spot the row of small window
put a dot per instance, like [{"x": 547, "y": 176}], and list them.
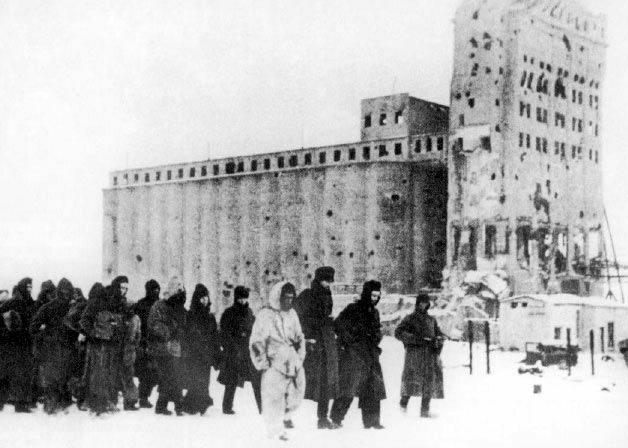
[
  {"x": 564, "y": 73},
  {"x": 559, "y": 119},
  {"x": 383, "y": 119},
  {"x": 429, "y": 144},
  {"x": 559, "y": 147},
  {"x": 560, "y": 91},
  {"x": 233, "y": 167},
  {"x": 487, "y": 70}
]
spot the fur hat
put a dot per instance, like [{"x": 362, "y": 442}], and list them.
[
  {"x": 240, "y": 292},
  {"x": 324, "y": 273}
]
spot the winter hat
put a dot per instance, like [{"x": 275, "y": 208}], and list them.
[
  {"x": 151, "y": 285},
  {"x": 97, "y": 292},
  {"x": 47, "y": 287},
  {"x": 199, "y": 291},
  {"x": 423, "y": 298},
  {"x": 240, "y": 292},
  {"x": 324, "y": 273},
  {"x": 368, "y": 288},
  {"x": 174, "y": 286},
  {"x": 65, "y": 290},
  {"x": 22, "y": 285}
]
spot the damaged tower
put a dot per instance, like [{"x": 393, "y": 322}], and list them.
[{"x": 525, "y": 180}]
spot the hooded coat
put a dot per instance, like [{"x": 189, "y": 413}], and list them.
[
  {"x": 46, "y": 293},
  {"x": 201, "y": 351},
  {"x": 103, "y": 323},
  {"x": 314, "y": 308},
  {"x": 422, "y": 369},
  {"x": 16, "y": 359},
  {"x": 54, "y": 344},
  {"x": 277, "y": 348},
  {"x": 236, "y": 324},
  {"x": 144, "y": 367},
  {"x": 359, "y": 333}
]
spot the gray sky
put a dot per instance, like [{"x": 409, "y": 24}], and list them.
[{"x": 87, "y": 87}]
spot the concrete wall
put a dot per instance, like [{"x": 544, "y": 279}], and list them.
[{"x": 383, "y": 220}]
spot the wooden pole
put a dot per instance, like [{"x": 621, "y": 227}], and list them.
[
  {"x": 470, "y": 347},
  {"x": 569, "y": 351},
  {"x": 592, "y": 347},
  {"x": 487, "y": 339}
]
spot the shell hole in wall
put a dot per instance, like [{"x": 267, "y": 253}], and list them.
[
  {"x": 377, "y": 237},
  {"x": 274, "y": 272},
  {"x": 266, "y": 272},
  {"x": 305, "y": 257},
  {"x": 330, "y": 213},
  {"x": 581, "y": 214},
  {"x": 309, "y": 276},
  {"x": 295, "y": 253},
  {"x": 493, "y": 176},
  {"x": 267, "y": 218},
  {"x": 371, "y": 253},
  {"x": 138, "y": 258},
  {"x": 350, "y": 254},
  {"x": 333, "y": 238},
  {"x": 248, "y": 263},
  {"x": 339, "y": 253},
  {"x": 395, "y": 197}
]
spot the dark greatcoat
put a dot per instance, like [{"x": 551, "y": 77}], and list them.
[
  {"x": 236, "y": 324},
  {"x": 422, "y": 369},
  {"x": 144, "y": 366},
  {"x": 359, "y": 333},
  {"x": 314, "y": 308},
  {"x": 166, "y": 330},
  {"x": 16, "y": 359},
  {"x": 201, "y": 351},
  {"x": 55, "y": 346},
  {"x": 103, "y": 323}
]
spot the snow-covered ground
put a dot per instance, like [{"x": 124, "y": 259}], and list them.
[{"x": 479, "y": 410}]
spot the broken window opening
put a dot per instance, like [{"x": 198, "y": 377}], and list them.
[
  {"x": 398, "y": 149},
  {"x": 367, "y": 121},
  {"x": 280, "y": 162},
  {"x": 417, "y": 146},
  {"x": 399, "y": 117},
  {"x": 528, "y": 110},
  {"x": 169, "y": 175},
  {"x": 530, "y": 80},
  {"x": 485, "y": 143},
  {"x": 428, "y": 144},
  {"x": 474, "y": 43},
  {"x": 192, "y": 172},
  {"x": 471, "y": 102},
  {"x": 337, "y": 155},
  {"x": 351, "y": 153},
  {"x": 490, "y": 241},
  {"x": 383, "y": 152},
  {"x": 180, "y": 173},
  {"x": 461, "y": 119},
  {"x": 230, "y": 167},
  {"x": 524, "y": 76},
  {"x": 528, "y": 141},
  {"x": 322, "y": 157},
  {"x": 523, "y": 239},
  {"x": 240, "y": 167},
  {"x": 439, "y": 144},
  {"x": 382, "y": 119},
  {"x": 203, "y": 172},
  {"x": 266, "y": 164},
  {"x": 147, "y": 177},
  {"x": 307, "y": 159},
  {"x": 253, "y": 165},
  {"x": 521, "y": 138},
  {"x": 293, "y": 161},
  {"x": 366, "y": 153}
]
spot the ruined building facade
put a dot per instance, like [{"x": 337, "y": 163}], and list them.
[
  {"x": 525, "y": 186},
  {"x": 508, "y": 178},
  {"x": 371, "y": 209}
]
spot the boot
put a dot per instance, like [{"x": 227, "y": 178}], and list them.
[
  {"x": 325, "y": 423},
  {"x": 145, "y": 404},
  {"x": 22, "y": 408},
  {"x": 130, "y": 406},
  {"x": 162, "y": 407},
  {"x": 288, "y": 424}
]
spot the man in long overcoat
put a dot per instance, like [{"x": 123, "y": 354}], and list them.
[
  {"x": 145, "y": 369},
  {"x": 166, "y": 329},
  {"x": 55, "y": 345},
  {"x": 16, "y": 359},
  {"x": 359, "y": 333},
  {"x": 314, "y": 307},
  {"x": 237, "y": 368},
  {"x": 422, "y": 370}
]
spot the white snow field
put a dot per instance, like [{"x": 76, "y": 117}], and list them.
[{"x": 479, "y": 410}]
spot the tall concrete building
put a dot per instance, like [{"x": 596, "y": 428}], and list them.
[
  {"x": 525, "y": 180},
  {"x": 375, "y": 208},
  {"x": 507, "y": 178}
]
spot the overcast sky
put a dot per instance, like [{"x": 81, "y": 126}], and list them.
[{"x": 87, "y": 87}]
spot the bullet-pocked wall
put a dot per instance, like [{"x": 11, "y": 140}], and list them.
[{"x": 384, "y": 220}]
